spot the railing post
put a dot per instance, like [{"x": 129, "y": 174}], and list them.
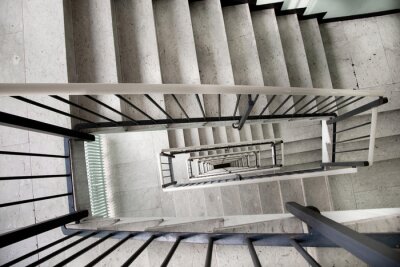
[
  {"x": 334, "y": 142},
  {"x": 273, "y": 151},
  {"x": 374, "y": 120},
  {"x": 282, "y": 153}
]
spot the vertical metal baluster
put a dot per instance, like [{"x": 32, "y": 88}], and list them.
[
  {"x": 310, "y": 260},
  {"x": 266, "y": 106},
  {"x": 209, "y": 252},
  {"x": 253, "y": 253},
  {"x": 84, "y": 250},
  {"x": 171, "y": 252},
  {"x": 108, "y": 251},
  {"x": 139, "y": 251},
  {"x": 201, "y": 106},
  {"x": 334, "y": 142}
]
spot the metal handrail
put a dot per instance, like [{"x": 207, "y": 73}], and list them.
[{"x": 376, "y": 249}]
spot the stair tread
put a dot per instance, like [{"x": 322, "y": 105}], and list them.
[
  {"x": 295, "y": 55},
  {"x": 178, "y": 60},
  {"x": 138, "y": 54},
  {"x": 95, "y": 58},
  {"x": 271, "y": 54}
]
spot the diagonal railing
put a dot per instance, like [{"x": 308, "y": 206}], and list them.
[
  {"x": 375, "y": 249},
  {"x": 277, "y": 104}
]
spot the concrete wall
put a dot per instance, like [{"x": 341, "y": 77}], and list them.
[
  {"x": 32, "y": 49},
  {"x": 365, "y": 53}
]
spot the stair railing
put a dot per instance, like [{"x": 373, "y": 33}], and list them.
[
  {"x": 375, "y": 249},
  {"x": 346, "y": 134},
  {"x": 239, "y": 162},
  {"x": 264, "y": 104},
  {"x": 166, "y": 170}
]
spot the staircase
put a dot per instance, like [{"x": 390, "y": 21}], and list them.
[{"x": 200, "y": 43}]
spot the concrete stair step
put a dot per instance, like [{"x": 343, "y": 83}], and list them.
[
  {"x": 231, "y": 200},
  {"x": 270, "y": 197},
  {"x": 316, "y": 56},
  {"x": 271, "y": 54},
  {"x": 213, "y": 199},
  {"x": 176, "y": 45},
  {"x": 176, "y": 138},
  {"x": 213, "y": 60},
  {"x": 250, "y": 199},
  {"x": 190, "y": 203},
  {"x": 192, "y": 138},
  {"x": 242, "y": 45},
  {"x": 212, "y": 53},
  {"x": 220, "y": 137},
  {"x": 94, "y": 49},
  {"x": 268, "y": 131},
  {"x": 315, "y": 53},
  {"x": 138, "y": 54},
  {"x": 178, "y": 60},
  {"x": 245, "y": 135},
  {"x": 245, "y": 58},
  {"x": 295, "y": 56},
  {"x": 206, "y": 138},
  {"x": 233, "y": 136}
]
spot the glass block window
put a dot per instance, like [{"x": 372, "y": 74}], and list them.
[{"x": 96, "y": 178}]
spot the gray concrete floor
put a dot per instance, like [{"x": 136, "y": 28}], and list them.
[{"x": 132, "y": 173}]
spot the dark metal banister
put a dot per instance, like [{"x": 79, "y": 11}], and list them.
[
  {"x": 370, "y": 251},
  {"x": 29, "y": 101},
  {"x": 41, "y": 227},
  {"x": 250, "y": 239},
  {"x": 250, "y": 105},
  {"x": 83, "y": 108},
  {"x": 363, "y": 108},
  {"x": 41, "y": 127},
  {"x": 253, "y": 253}
]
